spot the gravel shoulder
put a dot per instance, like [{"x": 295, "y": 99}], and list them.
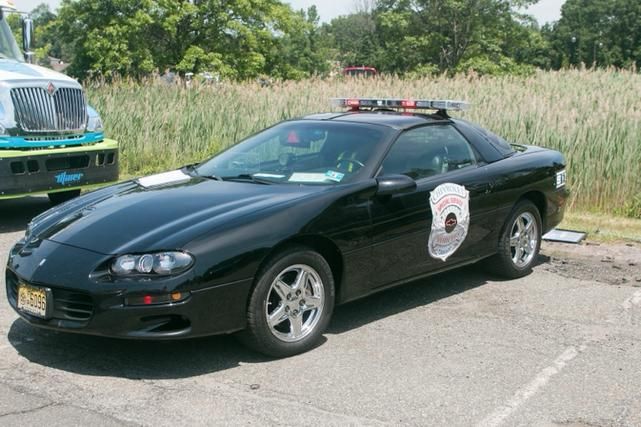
[{"x": 611, "y": 263}]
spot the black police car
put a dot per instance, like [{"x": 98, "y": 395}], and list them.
[{"x": 268, "y": 236}]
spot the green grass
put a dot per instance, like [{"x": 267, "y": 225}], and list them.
[
  {"x": 593, "y": 117},
  {"x": 602, "y": 227}
]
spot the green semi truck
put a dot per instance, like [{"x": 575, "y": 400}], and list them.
[{"x": 51, "y": 141}]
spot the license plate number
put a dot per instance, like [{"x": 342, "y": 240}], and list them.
[{"x": 32, "y": 300}]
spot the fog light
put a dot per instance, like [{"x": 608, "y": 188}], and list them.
[{"x": 157, "y": 299}]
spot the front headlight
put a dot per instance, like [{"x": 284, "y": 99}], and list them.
[
  {"x": 94, "y": 124},
  {"x": 160, "y": 263}
]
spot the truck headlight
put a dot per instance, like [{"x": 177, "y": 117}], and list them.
[
  {"x": 159, "y": 263},
  {"x": 94, "y": 124}
]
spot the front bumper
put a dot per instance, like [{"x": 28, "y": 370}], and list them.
[
  {"x": 81, "y": 305},
  {"x": 55, "y": 170}
]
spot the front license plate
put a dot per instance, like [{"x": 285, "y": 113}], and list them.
[{"x": 33, "y": 300}]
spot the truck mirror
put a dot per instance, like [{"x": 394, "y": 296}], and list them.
[{"x": 27, "y": 38}]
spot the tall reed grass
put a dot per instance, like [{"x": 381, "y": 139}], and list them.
[{"x": 593, "y": 117}]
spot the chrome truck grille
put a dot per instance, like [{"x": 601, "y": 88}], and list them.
[{"x": 37, "y": 111}]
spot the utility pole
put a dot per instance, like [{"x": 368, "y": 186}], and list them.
[
  {"x": 600, "y": 45},
  {"x": 573, "y": 53}
]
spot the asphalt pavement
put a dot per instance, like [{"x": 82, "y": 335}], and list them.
[{"x": 560, "y": 347}]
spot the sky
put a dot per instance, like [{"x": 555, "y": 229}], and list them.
[{"x": 544, "y": 11}]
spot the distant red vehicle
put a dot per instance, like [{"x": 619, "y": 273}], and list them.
[{"x": 360, "y": 71}]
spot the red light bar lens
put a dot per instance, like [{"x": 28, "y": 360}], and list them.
[
  {"x": 147, "y": 299},
  {"x": 418, "y": 104}
]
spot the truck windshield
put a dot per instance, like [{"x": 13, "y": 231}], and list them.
[{"x": 8, "y": 46}]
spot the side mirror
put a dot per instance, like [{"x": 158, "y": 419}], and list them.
[
  {"x": 27, "y": 39},
  {"x": 395, "y": 184}
]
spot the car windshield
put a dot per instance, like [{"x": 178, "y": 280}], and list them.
[
  {"x": 300, "y": 152},
  {"x": 8, "y": 46}
]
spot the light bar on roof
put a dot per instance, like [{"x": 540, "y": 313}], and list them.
[{"x": 407, "y": 104}]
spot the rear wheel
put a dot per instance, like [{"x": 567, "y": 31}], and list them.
[
  {"x": 63, "y": 196},
  {"x": 291, "y": 304},
  {"x": 519, "y": 243}
]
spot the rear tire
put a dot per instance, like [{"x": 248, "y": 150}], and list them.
[
  {"x": 63, "y": 196},
  {"x": 290, "y": 305},
  {"x": 519, "y": 244}
]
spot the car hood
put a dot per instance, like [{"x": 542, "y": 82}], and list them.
[{"x": 130, "y": 218}]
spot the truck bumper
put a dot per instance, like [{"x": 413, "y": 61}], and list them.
[{"x": 54, "y": 170}]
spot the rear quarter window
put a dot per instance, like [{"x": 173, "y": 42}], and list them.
[{"x": 496, "y": 141}]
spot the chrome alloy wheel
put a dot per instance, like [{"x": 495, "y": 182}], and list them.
[
  {"x": 524, "y": 238},
  {"x": 295, "y": 303}
]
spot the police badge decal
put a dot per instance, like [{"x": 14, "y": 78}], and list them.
[{"x": 450, "y": 205}]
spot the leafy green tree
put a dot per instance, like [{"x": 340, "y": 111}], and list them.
[
  {"x": 106, "y": 37},
  {"x": 299, "y": 52},
  {"x": 136, "y": 37},
  {"x": 42, "y": 15},
  {"x": 196, "y": 60},
  {"x": 355, "y": 39},
  {"x": 243, "y": 39},
  {"x": 46, "y": 40},
  {"x": 446, "y": 33},
  {"x": 243, "y": 32},
  {"x": 43, "y": 43},
  {"x": 599, "y": 32}
]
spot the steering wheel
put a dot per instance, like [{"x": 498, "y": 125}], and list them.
[{"x": 352, "y": 165}]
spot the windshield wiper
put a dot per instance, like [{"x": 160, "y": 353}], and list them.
[
  {"x": 244, "y": 177},
  {"x": 191, "y": 169}
]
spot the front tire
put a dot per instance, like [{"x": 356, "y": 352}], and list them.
[
  {"x": 520, "y": 242},
  {"x": 291, "y": 304},
  {"x": 62, "y": 196}
]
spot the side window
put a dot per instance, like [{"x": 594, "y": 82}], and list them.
[{"x": 428, "y": 151}]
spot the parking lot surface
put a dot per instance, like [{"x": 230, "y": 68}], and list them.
[{"x": 560, "y": 347}]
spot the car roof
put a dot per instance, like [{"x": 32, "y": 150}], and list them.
[{"x": 391, "y": 119}]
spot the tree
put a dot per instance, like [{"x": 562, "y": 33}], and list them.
[
  {"x": 300, "y": 51},
  {"x": 135, "y": 37},
  {"x": 243, "y": 39},
  {"x": 599, "y": 32},
  {"x": 106, "y": 37},
  {"x": 46, "y": 41},
  {"x": 355, "y": 38},
  {"x": 445, "y": 33}
]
